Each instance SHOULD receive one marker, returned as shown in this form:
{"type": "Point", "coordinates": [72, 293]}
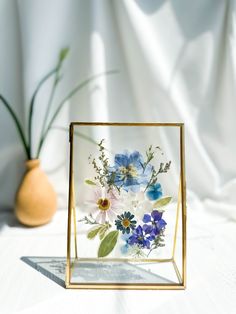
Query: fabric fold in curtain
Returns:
{"type": "Point", "coordinates": [176, 62]}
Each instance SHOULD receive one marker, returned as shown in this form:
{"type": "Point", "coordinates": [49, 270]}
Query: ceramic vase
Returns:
{"type": "Point", "coordinates": [36, 200]}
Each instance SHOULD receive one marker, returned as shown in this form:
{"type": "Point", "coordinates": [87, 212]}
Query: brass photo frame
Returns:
{"type": "Point", "coordinates": [81, 264]}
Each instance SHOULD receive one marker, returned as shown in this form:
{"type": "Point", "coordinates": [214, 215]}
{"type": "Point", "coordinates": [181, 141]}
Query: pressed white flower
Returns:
{"type": "Point", "coordinates": [136, 203]}
{"type": "Point", "coordinates": [104, 206]}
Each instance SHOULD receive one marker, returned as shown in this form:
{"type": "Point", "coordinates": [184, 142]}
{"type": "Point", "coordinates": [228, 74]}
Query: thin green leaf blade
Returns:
{"type": "Point", "coordinates": [108, 243]}
{"type": "Point", "coordinates": [90, 182]}
{"type": "Point", "coordinates": [162, 202]}
{"type": "Point", "coordinates": [102, 232]}
{"type": "Point", "coordinates": [17, 124]}
{"type": "Point", "coordinates": [32, 105]}
{"type": "Point", "coordinates": [64, 101]}
{"type": "Point", "coordinates": [63, 53]}
{"type": "Point", "coordinates": [93, 232]}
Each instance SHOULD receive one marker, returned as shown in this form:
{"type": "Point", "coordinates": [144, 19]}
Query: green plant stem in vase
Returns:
{"type": "Point", "coordinates": [29, 215]}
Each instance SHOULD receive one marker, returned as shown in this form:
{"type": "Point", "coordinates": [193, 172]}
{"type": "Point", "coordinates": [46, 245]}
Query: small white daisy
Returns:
{"type": "Point", "coordinates": [104, 206]}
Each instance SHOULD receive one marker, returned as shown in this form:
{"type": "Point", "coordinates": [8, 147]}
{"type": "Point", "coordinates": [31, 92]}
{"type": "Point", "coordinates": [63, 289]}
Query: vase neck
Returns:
{"type": "Point", "coordinates": [32, 163]}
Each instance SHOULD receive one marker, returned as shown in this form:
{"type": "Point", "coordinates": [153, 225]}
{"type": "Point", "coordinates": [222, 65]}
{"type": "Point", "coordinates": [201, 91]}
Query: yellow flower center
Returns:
{"type": "Point", "coordinates": [103, 204]}
{"type": "Point", "coordinates": [126, 223]}
{"type": "Point", "coordinates": [129, 171]}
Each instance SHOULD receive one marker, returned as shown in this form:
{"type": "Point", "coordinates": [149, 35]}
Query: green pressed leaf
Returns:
{"type": "Point", "coordinates": [102, 232]}
{"type": "Point", "coordinates": [93, 232]}
{"type": "Point", "coordinates": [90, 182]}
{"type": "Point", "coordinates": [108, 243]}
{"type": "Point", "coordinates": [162, 202]}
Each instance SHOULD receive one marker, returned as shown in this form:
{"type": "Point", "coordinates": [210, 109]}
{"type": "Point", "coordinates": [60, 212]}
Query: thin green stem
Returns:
{"type": "Point", "coordinates": [62, 103]}
{"type": "Point", "coordinates": [32, 105]}
{"type": "Point", "coordinates": [154, 175]}
{"type": "Point", "coordinates": [18, 125]}
{"type": "Point", "coordinates": [56, 81]}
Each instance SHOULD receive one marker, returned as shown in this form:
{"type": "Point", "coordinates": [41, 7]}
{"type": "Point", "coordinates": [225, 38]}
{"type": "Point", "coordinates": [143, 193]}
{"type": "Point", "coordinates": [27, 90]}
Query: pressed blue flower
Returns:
{"type": "Point", "coordinates": [154, 192]}
{"type": "Point", "coordinates": [141, 237]}
{"type": "Point", "coordinates": [125, 222]}
{"type": "Point", "coordinates": [129, 172]}
{"type": "Point", "coordinates": [156, 222]}
{"type": "Point", "coordinates": [125, 247]}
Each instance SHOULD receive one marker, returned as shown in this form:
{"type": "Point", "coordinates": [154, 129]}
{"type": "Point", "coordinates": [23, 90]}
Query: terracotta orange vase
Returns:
{"type": "Point", "coordinates": [36, 200]}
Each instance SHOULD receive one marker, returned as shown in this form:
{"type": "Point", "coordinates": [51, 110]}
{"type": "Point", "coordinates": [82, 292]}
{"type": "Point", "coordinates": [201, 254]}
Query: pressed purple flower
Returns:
{"type": "Point", "coordinates": [156, 222]}
{"type": "Point", "coordinates": [142, 237]}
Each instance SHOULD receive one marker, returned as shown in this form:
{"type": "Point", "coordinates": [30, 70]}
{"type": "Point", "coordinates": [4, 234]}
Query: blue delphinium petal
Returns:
{"type": "Point", "coordinates": [145, 175]}
{"type": "Point", "coordinates": [153, 224]}
{"type": "Point", "coordinates": [124, 249]}
{"type": "Point", "coordinates": [146, 218]}
{"type": "Point", "coordinates": [128, 171]}
{"type": "Point", "coordinates": [156, 230]}
{"type": "Point", "coordinates": [147, 228]}
{"type": "Point", "coordinates": [132, 240]}
{"type": "Point", "coordinates": [151, 237]}
{"type": "Point", "coordinates": [161, 223]}
{"type": "Point", "coordinates": [156, 215]}
{"type": "Point", "coordinates": [154, 192]}
{"type": "Point", "coordinates": [135, 158]}
{"type": "Point", "coordinates": [141, 237]}
{"type": "Point", "coordinates": [146, 243]}
{"type": "Point", "coordinates": [139, 230]}
{"type": "Point", "coordinates": [149, 231]}
{"type": "Point", "coordinates": [121, 160]}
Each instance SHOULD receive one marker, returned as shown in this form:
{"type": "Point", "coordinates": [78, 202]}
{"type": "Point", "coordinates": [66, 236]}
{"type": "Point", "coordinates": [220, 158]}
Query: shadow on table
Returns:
{"type": "Point", "coordinates": [51, 267]}
{"type": "Point", "coordinates": [90, 272]}
{"type": "Point", "coordinates": [8, 219]}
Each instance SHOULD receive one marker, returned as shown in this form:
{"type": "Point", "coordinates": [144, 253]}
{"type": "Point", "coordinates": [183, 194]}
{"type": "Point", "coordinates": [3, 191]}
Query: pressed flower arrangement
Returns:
{"type": "Point", "coordinates": [126, 210]}
{"type": "Point", "coordinates": [128, 202]}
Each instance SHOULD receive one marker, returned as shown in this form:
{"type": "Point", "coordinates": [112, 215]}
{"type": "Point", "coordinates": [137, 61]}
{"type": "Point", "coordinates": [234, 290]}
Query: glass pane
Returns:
{"type": "Point", "coordinates": [126, 195]}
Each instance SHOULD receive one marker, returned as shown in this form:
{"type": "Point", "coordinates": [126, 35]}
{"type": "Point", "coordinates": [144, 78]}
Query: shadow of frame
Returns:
{"type": "Point", "coordinates": [52, 267]}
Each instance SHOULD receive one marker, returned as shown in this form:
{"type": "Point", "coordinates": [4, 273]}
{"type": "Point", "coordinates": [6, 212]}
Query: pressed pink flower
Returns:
{"type": "Point", "coordinates": [104, 205]}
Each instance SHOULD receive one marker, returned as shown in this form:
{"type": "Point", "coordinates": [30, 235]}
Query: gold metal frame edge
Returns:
{"type": "Point", "coordinates": [171, 124]}
{"type": "Point", "coordinates": [168, 286]}
{"type": "Point", "coordinates": [122, 286]}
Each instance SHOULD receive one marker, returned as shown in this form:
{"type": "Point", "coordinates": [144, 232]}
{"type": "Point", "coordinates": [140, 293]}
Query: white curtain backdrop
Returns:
{"type": "Point", "coordinates": [176, 62]}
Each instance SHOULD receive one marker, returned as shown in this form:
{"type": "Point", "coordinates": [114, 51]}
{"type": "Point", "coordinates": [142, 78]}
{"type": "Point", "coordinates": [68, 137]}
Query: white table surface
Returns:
{"type": "Point", "coordinates": [211, 273]}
